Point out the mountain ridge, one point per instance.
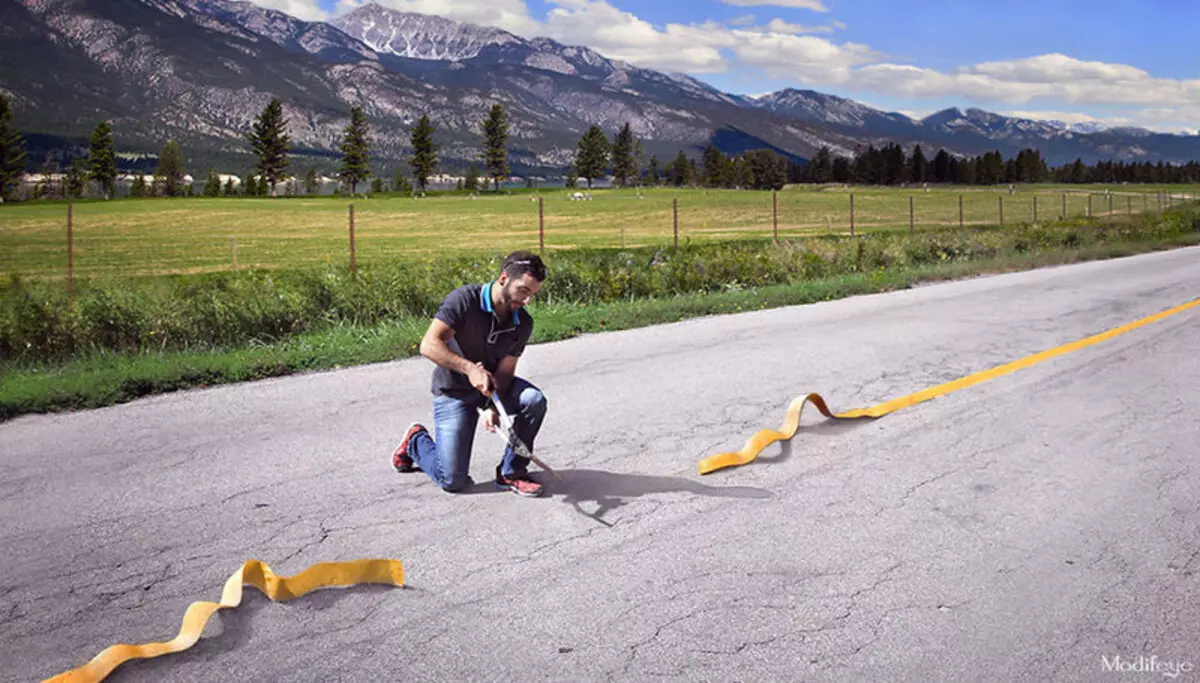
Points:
(201, 70)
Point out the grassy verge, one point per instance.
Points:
(102, 378)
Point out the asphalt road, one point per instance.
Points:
(1035, 527)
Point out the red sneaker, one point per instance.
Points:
(519, 484)
(400, 458)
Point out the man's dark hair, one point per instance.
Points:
(518, 263)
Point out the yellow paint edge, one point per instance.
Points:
(767, 437)
(256, 573)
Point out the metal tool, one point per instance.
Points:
(508, 432)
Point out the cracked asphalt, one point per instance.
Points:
(1023, 529)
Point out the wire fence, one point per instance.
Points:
(180, 236)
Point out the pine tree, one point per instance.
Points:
(743, 173)
(355, 155)
(769, 170)
(941, 167)
(681, 170)
(310, 182)
(712, 166)
(591, 155)
(170, 169)
(250, 187)
(103, 158)
(400, 181)
(270, 143)
(495, 138)
(843, 171)
(1079, 172)
(424, 159)
(212, 187)
(229, 190)
(916, 165)
(472, 179)
(12, 152)
(652, 170)
(76, 178)
(138, 188)
(623, 161)
(820, 168)
(895, 165)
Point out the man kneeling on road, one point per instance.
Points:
(475, 339)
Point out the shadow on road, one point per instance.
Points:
(610, 490)
(826, 428)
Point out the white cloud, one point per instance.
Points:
(307, 10)
(806, 58)
(698, 48)
(781, 26)
(788, 52)
(814, 5)
(1056, 68)
(618, 34)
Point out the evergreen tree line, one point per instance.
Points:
(890, 165)
(270, 145)
(595, 157)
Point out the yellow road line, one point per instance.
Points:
(253, 572)
(766, 437)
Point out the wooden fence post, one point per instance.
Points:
(852, 214)
(775, 215)
(353, 256)
(911, 215)
(70, 250)
(675, 219)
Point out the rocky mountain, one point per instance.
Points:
(1085, 127)
(816, 107)
(201, 70)
(419, 36)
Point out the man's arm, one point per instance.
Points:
(505, 371)
(434, 347)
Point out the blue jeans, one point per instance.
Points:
(448, 460)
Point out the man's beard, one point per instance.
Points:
(507, 300)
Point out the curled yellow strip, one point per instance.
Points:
(766, 437)
(253, 572)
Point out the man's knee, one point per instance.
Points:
(456, 484)
(533, 401)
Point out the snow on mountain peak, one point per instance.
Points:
(419, 36)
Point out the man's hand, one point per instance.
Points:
(481, 379)
(491, 419)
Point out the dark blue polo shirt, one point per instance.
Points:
(479, 336)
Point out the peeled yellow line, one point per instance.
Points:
(767, 437)
(253, 572)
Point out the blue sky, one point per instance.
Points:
(1124, 63)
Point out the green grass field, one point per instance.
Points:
(133, 237)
